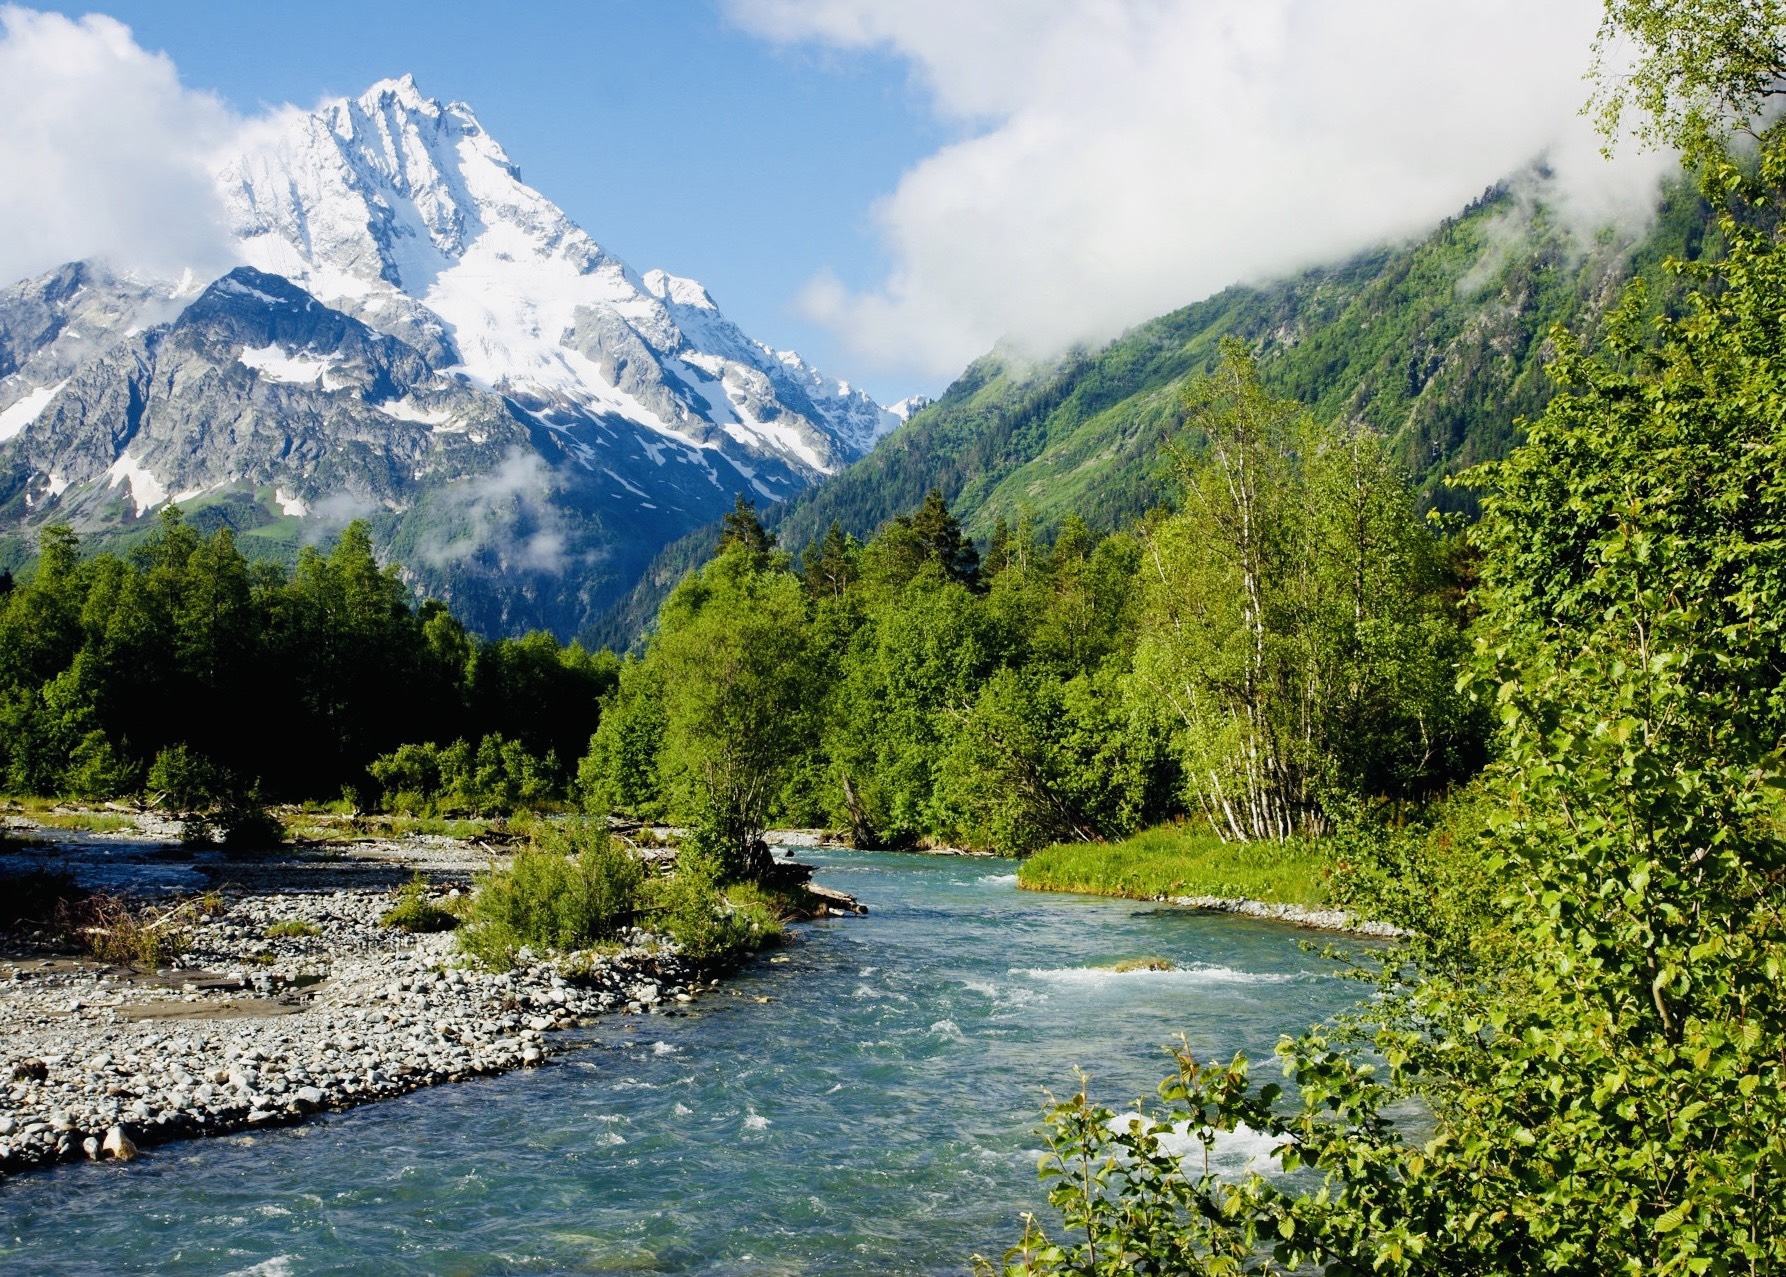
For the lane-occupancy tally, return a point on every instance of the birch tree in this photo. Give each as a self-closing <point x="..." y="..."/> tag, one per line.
<point x="1292" y="621"/>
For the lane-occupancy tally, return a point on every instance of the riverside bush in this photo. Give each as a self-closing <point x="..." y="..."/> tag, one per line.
<point x="1425" y="875"/>
<point x="714" y="925"/>
<point x="496" y="775"/>
<point x="416" y="913"/>
<point x="1600" y="1086"/>
<point x="112" y="929"/>
<point x="570" y="888"/>
<point x="765" y="911"/>
<point x="688" y="907"/>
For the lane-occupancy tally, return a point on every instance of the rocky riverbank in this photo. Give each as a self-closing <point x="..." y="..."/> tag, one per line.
<point x="289" y="998"/>
<point x="1295" y="915"/>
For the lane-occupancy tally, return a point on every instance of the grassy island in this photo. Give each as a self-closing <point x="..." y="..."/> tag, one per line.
<point x="1173" y="860"/>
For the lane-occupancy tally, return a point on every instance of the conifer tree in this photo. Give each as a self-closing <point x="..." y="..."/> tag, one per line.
<point x="940" y="540"/>
<point x="741" y="528"/>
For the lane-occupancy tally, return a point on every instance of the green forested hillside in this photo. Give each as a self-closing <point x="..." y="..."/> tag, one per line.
<point x="1438" y="344"/>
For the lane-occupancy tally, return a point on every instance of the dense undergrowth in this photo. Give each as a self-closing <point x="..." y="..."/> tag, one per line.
<point x="1577" y="1065"/>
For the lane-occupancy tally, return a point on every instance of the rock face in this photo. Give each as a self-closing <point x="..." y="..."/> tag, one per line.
<point x="421" y="339"/>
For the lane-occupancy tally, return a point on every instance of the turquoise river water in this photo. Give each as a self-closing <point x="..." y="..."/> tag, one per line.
<point x="878" y="1114"/>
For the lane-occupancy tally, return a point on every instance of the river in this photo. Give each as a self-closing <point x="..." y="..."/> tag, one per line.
<point x="868" y="1103"/>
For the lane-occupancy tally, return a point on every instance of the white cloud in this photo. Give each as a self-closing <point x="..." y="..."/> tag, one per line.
<point x="103" y="153"/>
<point x="505" y="514"/>
<point x="1121" y="158"/>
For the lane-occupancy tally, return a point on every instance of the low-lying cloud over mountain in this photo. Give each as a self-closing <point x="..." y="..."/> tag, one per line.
<point x="1118" y="158"/>
<point x="104" y="153"/>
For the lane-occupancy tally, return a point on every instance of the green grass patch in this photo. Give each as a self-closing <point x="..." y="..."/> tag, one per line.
<point x="29" y="804"/>
<point x="437" y="826"/>
<point x="1175" y="861"/>
<point x="92" y="822"/>
<point x="293" y="929"/>
<point x="317" y="823"/>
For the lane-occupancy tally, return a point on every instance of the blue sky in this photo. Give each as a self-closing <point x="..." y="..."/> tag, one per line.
<point x="891" y="187"/>
<point x="676" y="139"/>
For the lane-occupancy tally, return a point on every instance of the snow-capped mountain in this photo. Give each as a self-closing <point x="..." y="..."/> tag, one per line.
<point x="910" y="406"/>
<point x="421" y="338"/>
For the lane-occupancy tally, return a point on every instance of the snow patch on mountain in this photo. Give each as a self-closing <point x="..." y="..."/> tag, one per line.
<point x="27" y="409"/>
<point x="910" y="406"/>
<point x="299" y="368"/>
<point x="407" y="409"/>
<point x="294" y="506"/>
<point x="146" y="491"/>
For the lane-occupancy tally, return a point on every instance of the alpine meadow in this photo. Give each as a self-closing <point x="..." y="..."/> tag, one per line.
<point x="1349" y="708"/>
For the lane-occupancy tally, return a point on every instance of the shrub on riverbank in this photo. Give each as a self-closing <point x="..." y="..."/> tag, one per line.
<point x="574" y="887"/>
<point x="112" y="929"/>
<point x="1173" y="860"/>
<point x="416" y="913"/>
<point x="493" y="776"/>
<point x="1427" y="875"/>
<point x="711" y="925"/>
<point x="571" y="888"/>
<point x="1598" y="1085"/>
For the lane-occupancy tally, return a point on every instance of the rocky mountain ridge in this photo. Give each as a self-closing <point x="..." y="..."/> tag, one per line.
<point x="421" y="339"/>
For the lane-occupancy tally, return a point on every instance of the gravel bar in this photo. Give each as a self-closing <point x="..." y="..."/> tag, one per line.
<point x="1295" y="915"/>
<point x="252" y="1029"/>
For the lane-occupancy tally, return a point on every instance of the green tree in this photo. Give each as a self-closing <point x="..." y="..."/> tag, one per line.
<point x="738" y="677"/>
<point x="1039" y="760"/>
<point x="743" y="530"/>
<point x="1601" y="1086"/>
<point x="1293" y="619"/>
<point x="620" y="773"/>
<point x="829" y="566"/>
<point x="1690" y="71"/>
<point x="912" y="670"/>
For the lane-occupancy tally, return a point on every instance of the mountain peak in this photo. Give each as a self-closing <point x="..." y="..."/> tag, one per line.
<point x="418" y="333"/>
<point x="678" y="290"/>
<point x="402" y="89"/>
<point x="405" y="212"/>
